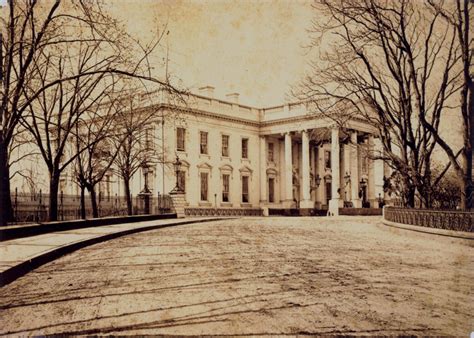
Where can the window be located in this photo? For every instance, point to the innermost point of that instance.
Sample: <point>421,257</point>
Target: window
<point>225,188</point>
<point>245,150</point>
<point>182,180</point>
<point>149,144</point>
<point>328,192</point>
<point>271,190</point>
<point>270,152</point>
<point>225,145</point>
<point>203,142</point>
<point>180,139</point>
<point>204,177</point>
<point>245,189</point>
<point>327,159</point>
<point>365,162</point>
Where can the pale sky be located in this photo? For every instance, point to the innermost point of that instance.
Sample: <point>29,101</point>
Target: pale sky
<point>253,47</point>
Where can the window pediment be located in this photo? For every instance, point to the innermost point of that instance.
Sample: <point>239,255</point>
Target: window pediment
<point>246,170</point>
<point>272,171</point>
<point>204,165</point>
<point>226,167</point>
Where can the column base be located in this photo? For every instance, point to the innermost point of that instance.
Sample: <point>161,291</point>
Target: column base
<point>287,204</point>
<point>306,204</point>
<point>374,203</point>
<point>179,202</point>
<point>357,203</point>
<point>334,205</point>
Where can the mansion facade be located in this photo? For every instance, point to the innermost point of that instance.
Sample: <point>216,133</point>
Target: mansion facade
<point>241,157</point>
<point>284,157</point>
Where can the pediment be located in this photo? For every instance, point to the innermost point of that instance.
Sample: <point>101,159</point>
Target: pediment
<point>246,169</point>
<point>226,167</point>
<point>185,163</point>
<point>272,171</point>
<point>204,165</point>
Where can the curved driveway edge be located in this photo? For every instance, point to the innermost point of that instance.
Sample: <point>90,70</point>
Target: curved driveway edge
<point>459,236</point>
<point>20,256</point>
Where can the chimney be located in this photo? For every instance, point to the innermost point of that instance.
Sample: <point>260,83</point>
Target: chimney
<point>207,91</point>
<point>233,97</point>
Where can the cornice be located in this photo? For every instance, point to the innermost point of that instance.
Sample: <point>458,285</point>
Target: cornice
<point>217,116</point>
<point>258,124</point>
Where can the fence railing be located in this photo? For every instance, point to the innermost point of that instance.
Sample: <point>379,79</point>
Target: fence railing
<point>29,208</point>
<point>222,212</point>
<point>440,219</point>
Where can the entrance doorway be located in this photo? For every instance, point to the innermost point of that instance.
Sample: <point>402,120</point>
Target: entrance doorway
<point>328,192</point>
<point>271,190</point>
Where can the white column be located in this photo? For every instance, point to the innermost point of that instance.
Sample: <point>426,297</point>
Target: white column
<point>288,172</point>
<point>263,171</point>
<point>281,166</point>
<point>335,173</point>
<point>355,171</point>
<point>305,183</point>
<point>387,171</point>
<point>371,173</point>
<point>378,171</point>
<point>317,171</point>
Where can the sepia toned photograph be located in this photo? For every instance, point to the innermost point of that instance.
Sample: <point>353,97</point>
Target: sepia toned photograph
<point>236,168</point>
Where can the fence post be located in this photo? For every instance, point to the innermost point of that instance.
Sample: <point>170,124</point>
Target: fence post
<point>38,210</point>
<point>15,215</point>
<point>158,202</point>
<point>62,206</point>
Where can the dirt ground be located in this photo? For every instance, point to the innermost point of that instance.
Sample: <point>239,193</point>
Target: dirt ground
<point>252,276</point>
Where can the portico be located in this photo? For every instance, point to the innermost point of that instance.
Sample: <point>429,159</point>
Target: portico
<point>324,168</point>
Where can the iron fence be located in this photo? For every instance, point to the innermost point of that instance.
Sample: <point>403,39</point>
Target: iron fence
<point>440,219</point>
<point>222,212</point>
<point>29,208</point>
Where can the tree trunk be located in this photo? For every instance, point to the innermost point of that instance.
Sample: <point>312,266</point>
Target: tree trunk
<point>128,196</point>
<point>83,202</point>
<point>469,203</point>
<point>409,194</point>
<point>6,210</point>
<point>53,196</point>
<point>95,208</point>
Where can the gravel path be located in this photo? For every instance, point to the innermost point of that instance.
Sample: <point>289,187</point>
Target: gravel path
<point>259,276</point>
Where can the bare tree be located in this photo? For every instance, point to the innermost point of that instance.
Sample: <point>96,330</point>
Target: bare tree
<point>458,14</point>
<point>392,64</point>
<point>133,141</point>
<point>52,118</point>
<point>32,36</point>
<point>95,152</point>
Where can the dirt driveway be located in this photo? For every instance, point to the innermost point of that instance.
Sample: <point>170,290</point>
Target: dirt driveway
<point>258,276</point>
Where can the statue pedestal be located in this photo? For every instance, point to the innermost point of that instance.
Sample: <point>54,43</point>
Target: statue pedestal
<point>145,198</point>
<point>334,205</point>
<point>179,202</point>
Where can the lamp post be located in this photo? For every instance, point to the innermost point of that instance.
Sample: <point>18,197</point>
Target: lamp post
<point>318,180</point>
<point>146,192</point>
<point>362,191</point>
<point>177,169</point>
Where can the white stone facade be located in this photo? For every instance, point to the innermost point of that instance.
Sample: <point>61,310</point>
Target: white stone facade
<point>295,159</point>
